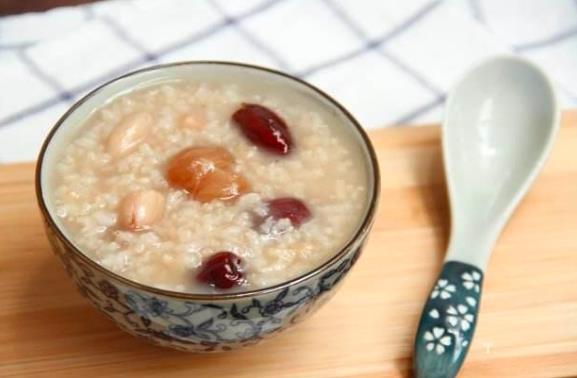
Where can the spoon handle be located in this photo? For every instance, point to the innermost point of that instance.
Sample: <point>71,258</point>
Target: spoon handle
<point>448,321</point>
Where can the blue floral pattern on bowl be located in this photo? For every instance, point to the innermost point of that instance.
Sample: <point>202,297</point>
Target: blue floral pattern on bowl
<point>202,326</point>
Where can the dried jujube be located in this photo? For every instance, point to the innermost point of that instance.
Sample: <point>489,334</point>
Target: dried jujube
<point>223,270</point>
<point>264,128</point>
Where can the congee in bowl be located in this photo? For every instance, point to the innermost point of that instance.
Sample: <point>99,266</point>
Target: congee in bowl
<point>205,206</point>
<point>209,186</point>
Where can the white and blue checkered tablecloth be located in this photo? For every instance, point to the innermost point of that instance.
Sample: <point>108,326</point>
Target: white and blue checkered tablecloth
<point>389,62</point>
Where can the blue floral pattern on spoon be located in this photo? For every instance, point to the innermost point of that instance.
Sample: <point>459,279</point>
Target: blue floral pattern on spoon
<point>448,321</point>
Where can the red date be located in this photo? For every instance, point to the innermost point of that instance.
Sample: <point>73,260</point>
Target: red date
<point>288,207</point>
<point>222,270</point>
<point>264,128</point>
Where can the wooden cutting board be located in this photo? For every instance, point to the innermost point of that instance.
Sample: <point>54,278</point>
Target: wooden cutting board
<point>527,327</point>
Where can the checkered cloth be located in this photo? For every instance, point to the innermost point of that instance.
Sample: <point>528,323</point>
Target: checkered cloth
<point>389,62</point>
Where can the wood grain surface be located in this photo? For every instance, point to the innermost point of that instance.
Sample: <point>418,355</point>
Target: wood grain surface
<point>527,327</point>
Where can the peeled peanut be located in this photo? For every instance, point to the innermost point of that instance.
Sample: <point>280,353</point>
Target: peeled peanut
<point>133,130</point>
<point>140,210</point>
<point>195,119</point>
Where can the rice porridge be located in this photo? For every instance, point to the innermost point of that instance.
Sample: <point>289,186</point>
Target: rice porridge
<point>207,187</point>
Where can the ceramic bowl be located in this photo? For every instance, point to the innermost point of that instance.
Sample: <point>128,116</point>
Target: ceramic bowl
<point>201,322</point>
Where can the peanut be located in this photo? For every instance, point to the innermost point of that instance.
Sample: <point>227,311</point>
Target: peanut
<point>133,130</point>
<point>140,210</point>
<point>195,119</point>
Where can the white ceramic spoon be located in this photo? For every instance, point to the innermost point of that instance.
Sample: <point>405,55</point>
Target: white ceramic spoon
<point>499,127</point>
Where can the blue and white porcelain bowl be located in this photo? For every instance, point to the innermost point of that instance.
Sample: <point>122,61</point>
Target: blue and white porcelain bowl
<point>201,322</point>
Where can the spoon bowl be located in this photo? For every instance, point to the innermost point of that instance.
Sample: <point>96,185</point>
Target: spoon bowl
<point>500,124</point>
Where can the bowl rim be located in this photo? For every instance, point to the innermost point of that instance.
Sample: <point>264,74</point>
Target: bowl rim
<point>363,229</point>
